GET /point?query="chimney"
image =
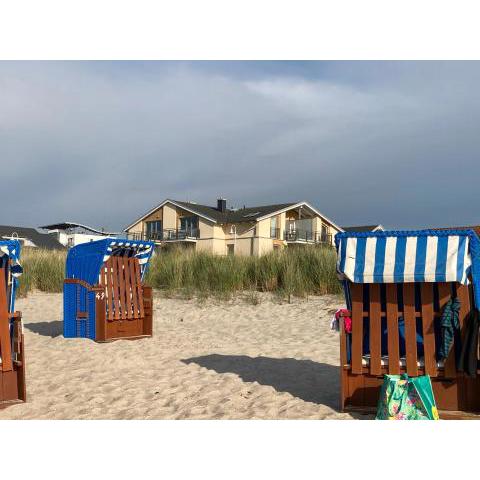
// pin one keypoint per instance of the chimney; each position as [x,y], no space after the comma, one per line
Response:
[222,205]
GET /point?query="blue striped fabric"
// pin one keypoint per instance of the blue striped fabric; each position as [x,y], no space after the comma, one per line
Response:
[85,260]
[11,249]
[379,260]
[398,257]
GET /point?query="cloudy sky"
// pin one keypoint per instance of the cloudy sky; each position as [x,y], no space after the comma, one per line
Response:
[365,142]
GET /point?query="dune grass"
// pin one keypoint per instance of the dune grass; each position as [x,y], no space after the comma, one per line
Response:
[299,272]
[43,270]
[295,271]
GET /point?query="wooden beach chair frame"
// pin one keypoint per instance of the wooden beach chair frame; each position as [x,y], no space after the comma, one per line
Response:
[361,378]
[457,395]
[12,354]
[118,306]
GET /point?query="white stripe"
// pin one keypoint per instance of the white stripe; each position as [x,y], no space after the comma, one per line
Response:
[467,261]
[370,248]
[350,253]
[452,254]
[390,246]
[410,255]
[431,259]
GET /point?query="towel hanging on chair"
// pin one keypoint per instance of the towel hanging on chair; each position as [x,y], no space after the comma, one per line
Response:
[450,325]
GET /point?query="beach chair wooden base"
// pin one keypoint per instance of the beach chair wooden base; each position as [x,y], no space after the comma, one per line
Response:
[456,395]
[12,376]
[456,398]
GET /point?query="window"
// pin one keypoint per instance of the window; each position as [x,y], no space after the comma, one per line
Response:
[189,225]
[274,231]
[230,249]
[154,230]
[324,236]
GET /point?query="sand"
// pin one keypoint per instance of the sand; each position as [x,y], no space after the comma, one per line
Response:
[207,360]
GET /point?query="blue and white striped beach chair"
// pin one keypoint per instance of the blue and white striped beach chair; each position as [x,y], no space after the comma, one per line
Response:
[104,296]
[397,285]
[12,357]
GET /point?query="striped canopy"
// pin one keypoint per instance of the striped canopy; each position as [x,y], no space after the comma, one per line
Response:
[11,249]
[85,260]
[410,256]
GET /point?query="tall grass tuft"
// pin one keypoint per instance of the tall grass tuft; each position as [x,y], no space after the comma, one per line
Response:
[42,270]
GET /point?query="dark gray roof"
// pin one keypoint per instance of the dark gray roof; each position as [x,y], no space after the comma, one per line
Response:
[362,228]
[247,214]
[41,240]
[72,225]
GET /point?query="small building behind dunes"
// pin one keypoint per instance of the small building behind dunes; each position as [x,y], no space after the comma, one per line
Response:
[30,237]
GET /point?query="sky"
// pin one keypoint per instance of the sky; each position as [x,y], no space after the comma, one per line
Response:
[101,143]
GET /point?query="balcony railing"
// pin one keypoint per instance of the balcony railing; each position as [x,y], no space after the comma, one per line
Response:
[170,234]
[307,236]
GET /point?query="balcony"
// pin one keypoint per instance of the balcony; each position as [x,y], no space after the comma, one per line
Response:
[307,236]
[168,235]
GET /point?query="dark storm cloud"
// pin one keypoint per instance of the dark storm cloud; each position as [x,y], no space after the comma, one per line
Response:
[100,143]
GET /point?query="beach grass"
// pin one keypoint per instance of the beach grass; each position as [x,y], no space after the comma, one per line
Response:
[292,271]
[296,271]
[43,270]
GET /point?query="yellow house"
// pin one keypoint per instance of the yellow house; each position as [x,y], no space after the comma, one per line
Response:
[242,231]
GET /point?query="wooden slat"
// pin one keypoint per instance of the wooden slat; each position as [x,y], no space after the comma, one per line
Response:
[133,287]
[343,344]
[128,288]
[123,287]
[375,330]
[108,289]
[444,295]
[139,287]
[356,290]
[5,345]
[120,285]
[392,330]
[115,289]
[103,283]
[410,328]
[428,329]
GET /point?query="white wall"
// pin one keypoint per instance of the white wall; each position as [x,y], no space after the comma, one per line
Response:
[72,239]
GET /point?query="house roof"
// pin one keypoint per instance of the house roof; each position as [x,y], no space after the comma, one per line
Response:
[72,225]
[41,240]
[363,228]
[247,214]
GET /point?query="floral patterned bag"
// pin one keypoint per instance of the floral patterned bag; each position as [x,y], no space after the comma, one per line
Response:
[406,398]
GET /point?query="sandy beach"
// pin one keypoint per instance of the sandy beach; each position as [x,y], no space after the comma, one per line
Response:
[207,360]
